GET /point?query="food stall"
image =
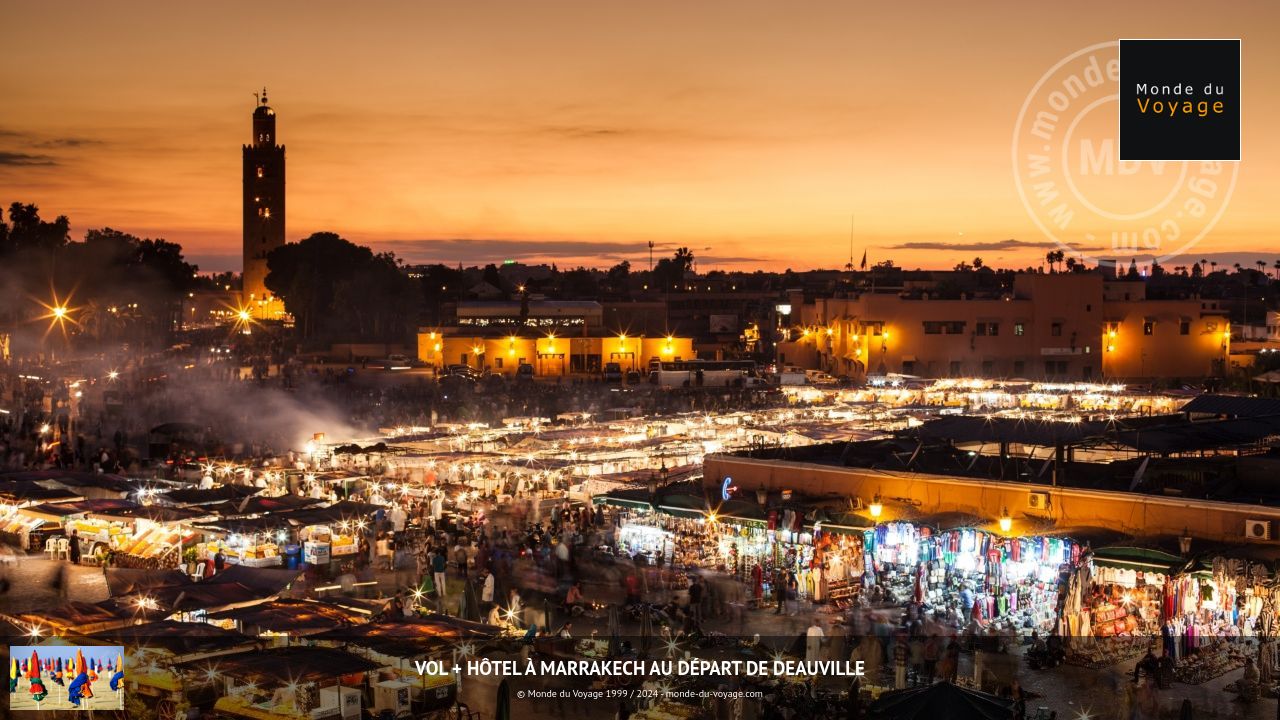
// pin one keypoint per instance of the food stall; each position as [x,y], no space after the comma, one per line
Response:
[290,682]
[396,644]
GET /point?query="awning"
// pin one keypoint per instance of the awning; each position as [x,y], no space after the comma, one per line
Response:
[1141,559]
[284,665]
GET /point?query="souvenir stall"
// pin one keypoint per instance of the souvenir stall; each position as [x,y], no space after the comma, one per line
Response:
[1112,607]
[1208,608]
[158,535]
[1013,579]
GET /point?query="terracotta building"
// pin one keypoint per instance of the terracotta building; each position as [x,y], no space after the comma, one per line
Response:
[1068,326]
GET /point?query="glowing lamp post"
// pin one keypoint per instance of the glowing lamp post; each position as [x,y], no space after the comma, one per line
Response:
[1006,522]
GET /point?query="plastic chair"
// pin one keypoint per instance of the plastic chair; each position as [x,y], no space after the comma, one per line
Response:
[51,546]
[64,548]
[199,573]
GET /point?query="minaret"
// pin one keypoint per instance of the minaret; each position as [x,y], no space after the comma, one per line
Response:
[263,210]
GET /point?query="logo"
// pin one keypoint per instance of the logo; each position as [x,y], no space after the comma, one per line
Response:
[727,488]
[1180,99]
[1089,202]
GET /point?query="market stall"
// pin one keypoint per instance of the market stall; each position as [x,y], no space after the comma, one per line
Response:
[968,574]
[395,645]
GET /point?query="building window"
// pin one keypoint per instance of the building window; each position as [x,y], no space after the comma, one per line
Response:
[1019,329]
[1088,307]
[988,368]
[1148,328]
[955,368]
[1019,368]
[497,362]
[908,367]
[1184,327]
[987,329]
[1056,329]
[932,327]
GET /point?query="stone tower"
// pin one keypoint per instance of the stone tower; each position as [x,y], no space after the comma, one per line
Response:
[263,210]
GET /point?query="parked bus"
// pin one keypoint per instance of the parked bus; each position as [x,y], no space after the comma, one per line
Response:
[705,373]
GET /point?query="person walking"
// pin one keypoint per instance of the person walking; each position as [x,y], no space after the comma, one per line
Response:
[439,564]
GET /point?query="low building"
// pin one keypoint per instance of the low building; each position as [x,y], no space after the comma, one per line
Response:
[548,353]
[1070,327]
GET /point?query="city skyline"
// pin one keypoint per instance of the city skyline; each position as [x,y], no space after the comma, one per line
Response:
[574,133]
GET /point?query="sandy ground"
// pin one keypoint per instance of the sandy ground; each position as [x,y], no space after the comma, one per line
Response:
[104,698]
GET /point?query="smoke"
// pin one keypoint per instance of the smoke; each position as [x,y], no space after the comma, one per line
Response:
[241,417]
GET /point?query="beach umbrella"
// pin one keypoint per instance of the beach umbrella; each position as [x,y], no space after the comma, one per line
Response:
[38,691]
[80,688]
[13,675]
[503,711]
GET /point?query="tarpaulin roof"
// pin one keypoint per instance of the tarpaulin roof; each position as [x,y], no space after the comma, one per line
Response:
[76,616]
[941,700]
[73,478]
[1233,405]
[197,496]
[411,637]
[80,507]
[284,665]
[1201,435]
[155,513]
[178,638]
[1022,431]
[128,581]
[28,491]
[256,504]
[236,585]
[293,617]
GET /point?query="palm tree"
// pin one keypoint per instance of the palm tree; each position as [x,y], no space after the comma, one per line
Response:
[1277,267]
[1262,266]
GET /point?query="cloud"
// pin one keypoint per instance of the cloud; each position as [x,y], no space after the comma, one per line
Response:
[588,252]
[979,246]
[17,159]
[67,142]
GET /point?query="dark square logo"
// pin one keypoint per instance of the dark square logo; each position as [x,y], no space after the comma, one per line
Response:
[1179,99]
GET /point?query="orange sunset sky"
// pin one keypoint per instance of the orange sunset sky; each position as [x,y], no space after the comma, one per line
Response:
[577,132]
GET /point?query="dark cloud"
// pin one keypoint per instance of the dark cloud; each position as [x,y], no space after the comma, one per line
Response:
[980,246]
[593,253]
[586,132]
[67,142]
[17,159]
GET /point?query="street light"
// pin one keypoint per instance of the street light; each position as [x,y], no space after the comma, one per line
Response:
[876,507]
[1006,522]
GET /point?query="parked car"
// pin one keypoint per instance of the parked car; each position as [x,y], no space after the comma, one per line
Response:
[524,373]
[612,372]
